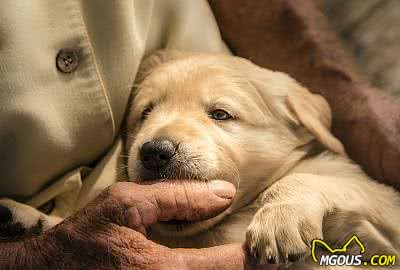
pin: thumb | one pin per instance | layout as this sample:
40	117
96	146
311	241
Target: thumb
139	206
192	201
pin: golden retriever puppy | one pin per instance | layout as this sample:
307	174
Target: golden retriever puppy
205	116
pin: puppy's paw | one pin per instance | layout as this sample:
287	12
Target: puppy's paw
282	233
17	220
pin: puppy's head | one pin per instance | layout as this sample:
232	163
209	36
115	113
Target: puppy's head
203	117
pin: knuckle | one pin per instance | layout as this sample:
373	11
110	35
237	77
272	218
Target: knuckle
120	205
118	196
117	190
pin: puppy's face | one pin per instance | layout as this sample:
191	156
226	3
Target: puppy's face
201	117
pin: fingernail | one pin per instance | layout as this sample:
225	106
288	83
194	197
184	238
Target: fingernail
223	189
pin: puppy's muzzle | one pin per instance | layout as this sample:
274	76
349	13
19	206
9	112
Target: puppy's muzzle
157	153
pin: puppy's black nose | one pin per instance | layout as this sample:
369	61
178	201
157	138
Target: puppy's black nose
5	214
157	153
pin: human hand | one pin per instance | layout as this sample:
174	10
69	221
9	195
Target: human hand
110	232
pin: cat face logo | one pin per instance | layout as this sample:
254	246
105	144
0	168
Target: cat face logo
332	251
338	256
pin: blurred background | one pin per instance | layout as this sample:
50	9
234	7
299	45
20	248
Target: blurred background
370	29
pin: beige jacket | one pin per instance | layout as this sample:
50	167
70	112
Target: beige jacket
66	71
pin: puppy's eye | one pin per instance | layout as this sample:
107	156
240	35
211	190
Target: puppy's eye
220	115
145	113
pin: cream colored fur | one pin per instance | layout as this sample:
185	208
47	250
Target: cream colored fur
286	195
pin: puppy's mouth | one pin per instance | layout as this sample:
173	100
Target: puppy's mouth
179	167
175	227
184	228
174	170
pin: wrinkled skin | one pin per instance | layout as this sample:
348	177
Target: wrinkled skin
110	232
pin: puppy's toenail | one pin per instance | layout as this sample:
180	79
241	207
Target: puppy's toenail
5	215
271	260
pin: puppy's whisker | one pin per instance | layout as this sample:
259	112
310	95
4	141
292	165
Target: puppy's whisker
232	171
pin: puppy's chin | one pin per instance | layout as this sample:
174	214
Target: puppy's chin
142	174
177	228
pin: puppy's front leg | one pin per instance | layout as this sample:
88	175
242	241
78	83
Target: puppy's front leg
290	218
297	209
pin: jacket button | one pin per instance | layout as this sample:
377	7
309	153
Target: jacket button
67	60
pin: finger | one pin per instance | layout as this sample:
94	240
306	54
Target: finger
192	201
232	257
139	206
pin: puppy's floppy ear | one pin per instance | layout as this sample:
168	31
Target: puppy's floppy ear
314	113
156	59
295	105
